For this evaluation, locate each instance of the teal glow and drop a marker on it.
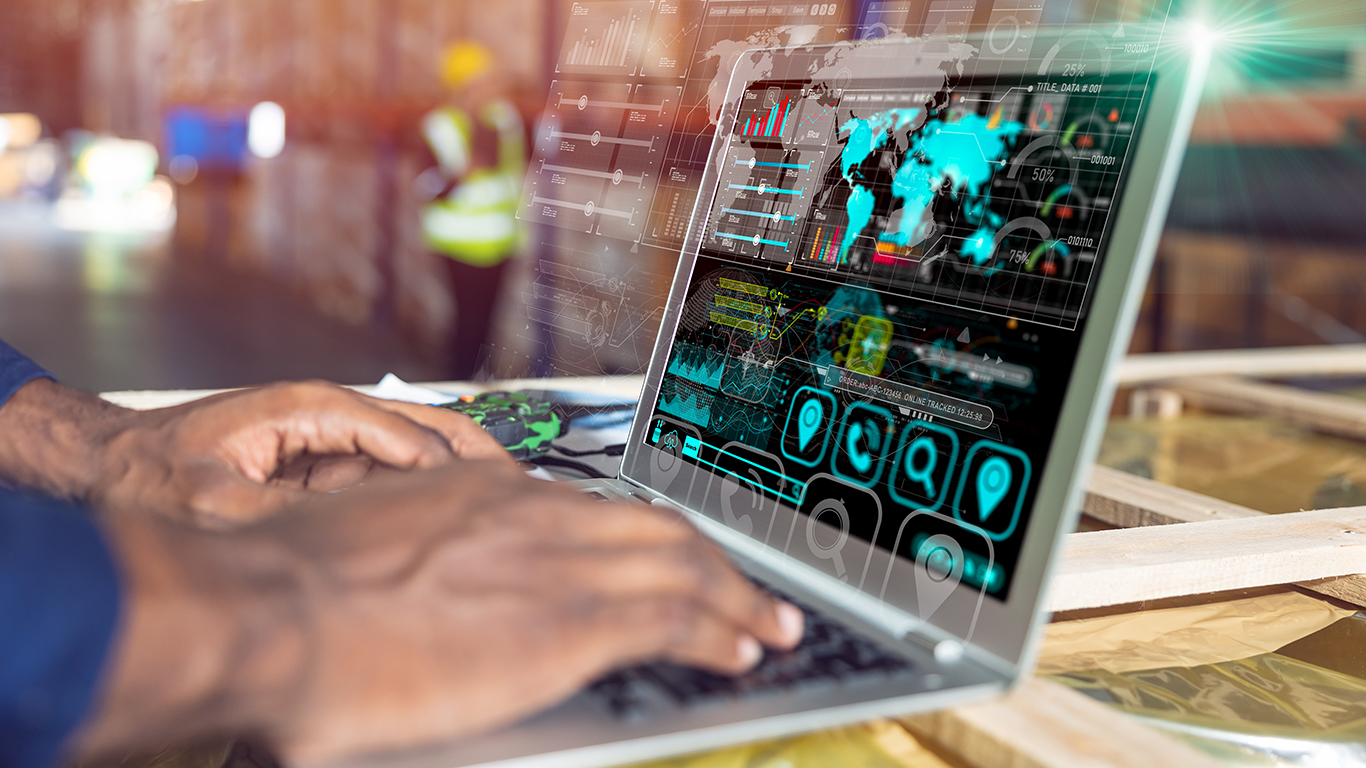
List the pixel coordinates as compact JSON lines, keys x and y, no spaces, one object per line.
{"x":980,"y":246}
{"x":962,"y":156}
{"x":860,"y":209}
{"x":865,"y":136}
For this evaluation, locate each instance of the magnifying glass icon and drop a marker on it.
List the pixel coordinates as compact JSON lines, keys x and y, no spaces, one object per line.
{"x":831,"y":553}
{"x":923,"y":474}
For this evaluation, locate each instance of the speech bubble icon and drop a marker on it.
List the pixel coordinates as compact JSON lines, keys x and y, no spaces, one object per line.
{"x":938,"y":569}
{"x":809,"y":422}
{"x":993,"y":481}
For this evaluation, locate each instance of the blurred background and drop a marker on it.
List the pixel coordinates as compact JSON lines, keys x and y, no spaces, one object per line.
{"x":214,"y":193}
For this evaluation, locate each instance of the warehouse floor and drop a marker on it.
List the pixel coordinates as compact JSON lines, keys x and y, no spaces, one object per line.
{"x":109,"y":312}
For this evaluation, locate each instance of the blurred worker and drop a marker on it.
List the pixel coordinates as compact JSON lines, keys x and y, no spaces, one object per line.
{"x":479,"y":142}
{"x":432,"y":603}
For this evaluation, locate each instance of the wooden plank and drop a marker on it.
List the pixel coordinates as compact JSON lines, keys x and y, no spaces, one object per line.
{"x":1128,"y":501}
{"x":1121,"y":499}
{"x":1043,"y":724}
{"x":1322,"y":412}
{"x":1348,"y":589}
{"x":1344,"y":360}
{"x":1103,"y":568}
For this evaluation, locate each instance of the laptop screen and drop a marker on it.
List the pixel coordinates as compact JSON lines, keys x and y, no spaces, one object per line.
{"x":889,"y":297}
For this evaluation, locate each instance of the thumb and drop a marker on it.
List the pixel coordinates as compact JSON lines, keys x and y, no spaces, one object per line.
{"x":219,"y":499}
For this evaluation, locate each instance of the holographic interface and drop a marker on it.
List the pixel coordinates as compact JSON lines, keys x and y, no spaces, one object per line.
{"x":889,"y":296}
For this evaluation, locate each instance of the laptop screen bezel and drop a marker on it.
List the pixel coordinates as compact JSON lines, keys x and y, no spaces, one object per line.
{"x":1000,"y":628}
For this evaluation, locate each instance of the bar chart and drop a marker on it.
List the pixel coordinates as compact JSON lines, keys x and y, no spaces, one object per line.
{"x":770,"y":123}
{"x":605,"y":37}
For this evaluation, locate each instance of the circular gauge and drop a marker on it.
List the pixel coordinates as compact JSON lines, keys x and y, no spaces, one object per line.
{"x":1049,"y":258}
{"x":843,"y":78}
{"x":1065,"y":204}
{"x":1044,"y":172}
{"x":1043,"y":116}
{"x":1003,"y":34}
{"x":1087,"y":135}
{"x":876,"y":31}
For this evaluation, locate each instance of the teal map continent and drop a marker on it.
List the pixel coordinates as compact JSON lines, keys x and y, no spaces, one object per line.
{"x":957,"y":157}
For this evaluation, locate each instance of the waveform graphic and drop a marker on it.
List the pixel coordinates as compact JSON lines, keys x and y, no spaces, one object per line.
{"x":732,"y":421}
{"x":699,"y":365}
{"x":749,"y":379}
{"x":826,"y":247}
{"x":678,"y":399}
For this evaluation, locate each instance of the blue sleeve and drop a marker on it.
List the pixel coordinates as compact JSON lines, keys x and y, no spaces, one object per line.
{"x":59,"y":604}
{"x":16,"y":371}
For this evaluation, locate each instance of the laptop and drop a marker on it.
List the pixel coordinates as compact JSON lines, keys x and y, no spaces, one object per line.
{"x":883,"y":369}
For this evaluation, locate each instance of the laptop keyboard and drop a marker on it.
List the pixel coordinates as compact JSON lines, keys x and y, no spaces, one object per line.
{"x":829,"y":655}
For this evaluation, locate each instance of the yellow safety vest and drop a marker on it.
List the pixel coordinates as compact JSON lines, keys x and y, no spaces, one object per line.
{"x":477,"y":222}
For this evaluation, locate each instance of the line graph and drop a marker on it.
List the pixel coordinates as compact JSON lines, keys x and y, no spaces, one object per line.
{"x":816,"y":118}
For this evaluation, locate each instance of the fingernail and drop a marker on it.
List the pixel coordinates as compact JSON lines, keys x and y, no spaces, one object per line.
{"x":750,"y":651}
{"x":791,"y":620}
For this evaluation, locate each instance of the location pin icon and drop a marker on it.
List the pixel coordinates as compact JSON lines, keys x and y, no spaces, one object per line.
{"x":809,"y":422}
{"x":938,"y":569}
{"x":993,"y":481}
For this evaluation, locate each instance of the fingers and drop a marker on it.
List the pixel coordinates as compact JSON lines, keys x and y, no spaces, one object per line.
{"x":582,"y":521}
{"x":219,"y":499}
{"x":694,"y":571}
{"x":354,"y":423}
{"x":264,"y":431}
{"x":467,"y":439}
{"x":325,"y":474}
{"x":629,"y":551}
{"x":681,"y":631}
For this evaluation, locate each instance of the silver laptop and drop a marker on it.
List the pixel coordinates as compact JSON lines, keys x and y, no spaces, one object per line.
{"x":883,"y":369}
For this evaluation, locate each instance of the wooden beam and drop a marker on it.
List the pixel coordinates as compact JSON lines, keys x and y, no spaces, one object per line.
{"x":1344,"y":360}
{"x":1322,"y":412}
{"x":1124,"y":500}
{"x":1127,"y":501}
{"x":1043,"y":724}
{"x":1348,"y":589}
{"x":1132,"y":565}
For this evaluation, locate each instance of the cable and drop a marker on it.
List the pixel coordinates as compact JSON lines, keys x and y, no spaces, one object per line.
{"x":577,"y":466}
{"x":610,"y":450}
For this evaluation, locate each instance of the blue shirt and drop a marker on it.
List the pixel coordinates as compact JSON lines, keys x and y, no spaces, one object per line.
{"x":59,"y":603}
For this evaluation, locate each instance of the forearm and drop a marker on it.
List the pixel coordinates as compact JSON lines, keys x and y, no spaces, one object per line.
{"x":52,"y":438}
{"x":215,"y":639}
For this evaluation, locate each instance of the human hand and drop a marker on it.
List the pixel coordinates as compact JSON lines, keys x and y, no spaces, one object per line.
{"x":239,"y":456}
{"x":419,"y":608}
{"x":227,"y":459}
